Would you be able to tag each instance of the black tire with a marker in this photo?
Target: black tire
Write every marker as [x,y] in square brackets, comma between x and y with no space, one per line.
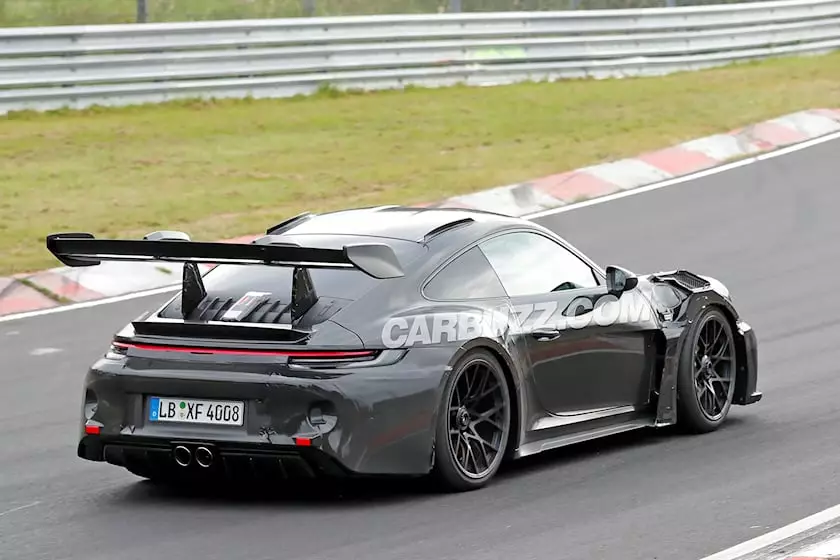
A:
[472,433]
[706,376]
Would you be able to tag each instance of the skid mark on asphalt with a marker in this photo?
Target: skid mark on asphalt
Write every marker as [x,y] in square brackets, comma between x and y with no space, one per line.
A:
[19,508]
[44,351]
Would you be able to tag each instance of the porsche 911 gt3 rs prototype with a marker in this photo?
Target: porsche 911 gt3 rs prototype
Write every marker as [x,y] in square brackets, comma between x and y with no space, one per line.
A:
[400,341]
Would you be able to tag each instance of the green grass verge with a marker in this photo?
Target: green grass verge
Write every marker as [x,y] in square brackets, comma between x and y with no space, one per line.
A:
[91,12]
[15,13]
[229,168]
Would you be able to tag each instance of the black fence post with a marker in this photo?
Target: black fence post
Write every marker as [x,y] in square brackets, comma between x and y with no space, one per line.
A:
[142,12]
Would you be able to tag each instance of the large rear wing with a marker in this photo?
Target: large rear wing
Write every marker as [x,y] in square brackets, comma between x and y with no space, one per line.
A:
[83,249]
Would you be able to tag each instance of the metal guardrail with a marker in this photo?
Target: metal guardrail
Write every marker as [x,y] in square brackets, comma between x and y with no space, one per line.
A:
[53,67]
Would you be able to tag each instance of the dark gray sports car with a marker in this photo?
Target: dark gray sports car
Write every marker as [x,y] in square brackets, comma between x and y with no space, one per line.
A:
[400,341]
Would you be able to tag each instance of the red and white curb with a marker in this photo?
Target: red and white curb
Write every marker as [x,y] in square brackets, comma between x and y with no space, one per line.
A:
[52,288]
[28,292]
[598,180]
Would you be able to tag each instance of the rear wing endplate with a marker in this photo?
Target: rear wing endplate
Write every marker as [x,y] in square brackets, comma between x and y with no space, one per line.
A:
[82,249]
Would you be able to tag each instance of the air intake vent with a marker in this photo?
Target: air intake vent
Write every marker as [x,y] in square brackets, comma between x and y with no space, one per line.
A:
[446,227]
[212,309]
[289,224]
[685,280]
[269,312]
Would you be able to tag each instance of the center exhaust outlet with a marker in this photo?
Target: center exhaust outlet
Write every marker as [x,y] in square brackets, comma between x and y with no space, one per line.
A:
[204,457]
[183,456]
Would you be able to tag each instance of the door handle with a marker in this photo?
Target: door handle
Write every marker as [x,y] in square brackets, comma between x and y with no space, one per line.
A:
[544,334]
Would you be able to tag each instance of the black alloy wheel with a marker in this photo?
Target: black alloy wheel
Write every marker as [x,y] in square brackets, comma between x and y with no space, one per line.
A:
[473,424]
[707,373]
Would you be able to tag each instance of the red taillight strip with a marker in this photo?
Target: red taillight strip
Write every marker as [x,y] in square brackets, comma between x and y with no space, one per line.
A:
[231,352]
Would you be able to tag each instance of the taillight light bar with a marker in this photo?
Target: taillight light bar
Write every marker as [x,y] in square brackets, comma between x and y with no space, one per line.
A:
[123,347]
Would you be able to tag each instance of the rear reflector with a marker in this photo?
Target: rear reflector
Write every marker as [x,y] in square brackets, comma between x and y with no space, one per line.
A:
[303,442]
[92,430]
[232,352]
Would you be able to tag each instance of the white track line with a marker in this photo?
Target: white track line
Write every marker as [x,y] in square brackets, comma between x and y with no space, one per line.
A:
[778,535]
[567,208]
[87,304]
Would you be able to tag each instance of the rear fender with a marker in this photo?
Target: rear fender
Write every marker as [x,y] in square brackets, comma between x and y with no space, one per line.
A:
[511,359]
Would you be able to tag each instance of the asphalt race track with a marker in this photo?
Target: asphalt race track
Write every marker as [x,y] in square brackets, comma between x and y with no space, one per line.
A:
[769,231]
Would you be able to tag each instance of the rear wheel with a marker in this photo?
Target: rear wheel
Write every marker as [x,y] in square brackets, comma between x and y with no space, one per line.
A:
[706,379]
[473,424]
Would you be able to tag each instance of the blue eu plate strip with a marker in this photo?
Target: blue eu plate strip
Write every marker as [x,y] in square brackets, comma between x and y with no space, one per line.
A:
[154,407]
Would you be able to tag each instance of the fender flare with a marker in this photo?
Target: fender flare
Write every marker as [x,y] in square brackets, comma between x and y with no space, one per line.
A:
[676,339]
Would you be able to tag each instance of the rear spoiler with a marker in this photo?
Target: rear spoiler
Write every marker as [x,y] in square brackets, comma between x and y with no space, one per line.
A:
[83,249]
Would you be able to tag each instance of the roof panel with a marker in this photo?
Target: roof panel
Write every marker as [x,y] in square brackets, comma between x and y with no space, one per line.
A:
[397,222]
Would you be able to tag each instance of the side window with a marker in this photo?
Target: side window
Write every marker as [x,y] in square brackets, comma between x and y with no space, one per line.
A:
[467,277]
[529,264]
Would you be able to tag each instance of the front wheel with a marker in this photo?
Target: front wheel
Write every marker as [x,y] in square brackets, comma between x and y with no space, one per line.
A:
[473,424]
[706,378]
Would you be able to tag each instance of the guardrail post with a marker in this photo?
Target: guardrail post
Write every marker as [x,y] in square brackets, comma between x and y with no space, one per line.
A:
[455,6]
[308,8]
[142,11]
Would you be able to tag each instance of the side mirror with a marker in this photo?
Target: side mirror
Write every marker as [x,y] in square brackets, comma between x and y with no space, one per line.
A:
[620,280]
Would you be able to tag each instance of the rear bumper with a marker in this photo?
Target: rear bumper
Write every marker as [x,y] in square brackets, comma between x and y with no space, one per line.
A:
[747,380]
[235,461]
[369,421]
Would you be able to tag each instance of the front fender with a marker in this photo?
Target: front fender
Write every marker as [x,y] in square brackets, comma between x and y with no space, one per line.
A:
[695,301]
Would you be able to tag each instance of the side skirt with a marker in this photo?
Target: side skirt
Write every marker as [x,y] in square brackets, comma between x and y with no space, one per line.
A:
[557,431]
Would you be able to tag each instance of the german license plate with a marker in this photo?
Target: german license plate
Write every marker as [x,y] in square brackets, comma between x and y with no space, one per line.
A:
[194,411]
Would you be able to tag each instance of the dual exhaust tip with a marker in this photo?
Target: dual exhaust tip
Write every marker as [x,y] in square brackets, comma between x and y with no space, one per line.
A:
[184,457]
